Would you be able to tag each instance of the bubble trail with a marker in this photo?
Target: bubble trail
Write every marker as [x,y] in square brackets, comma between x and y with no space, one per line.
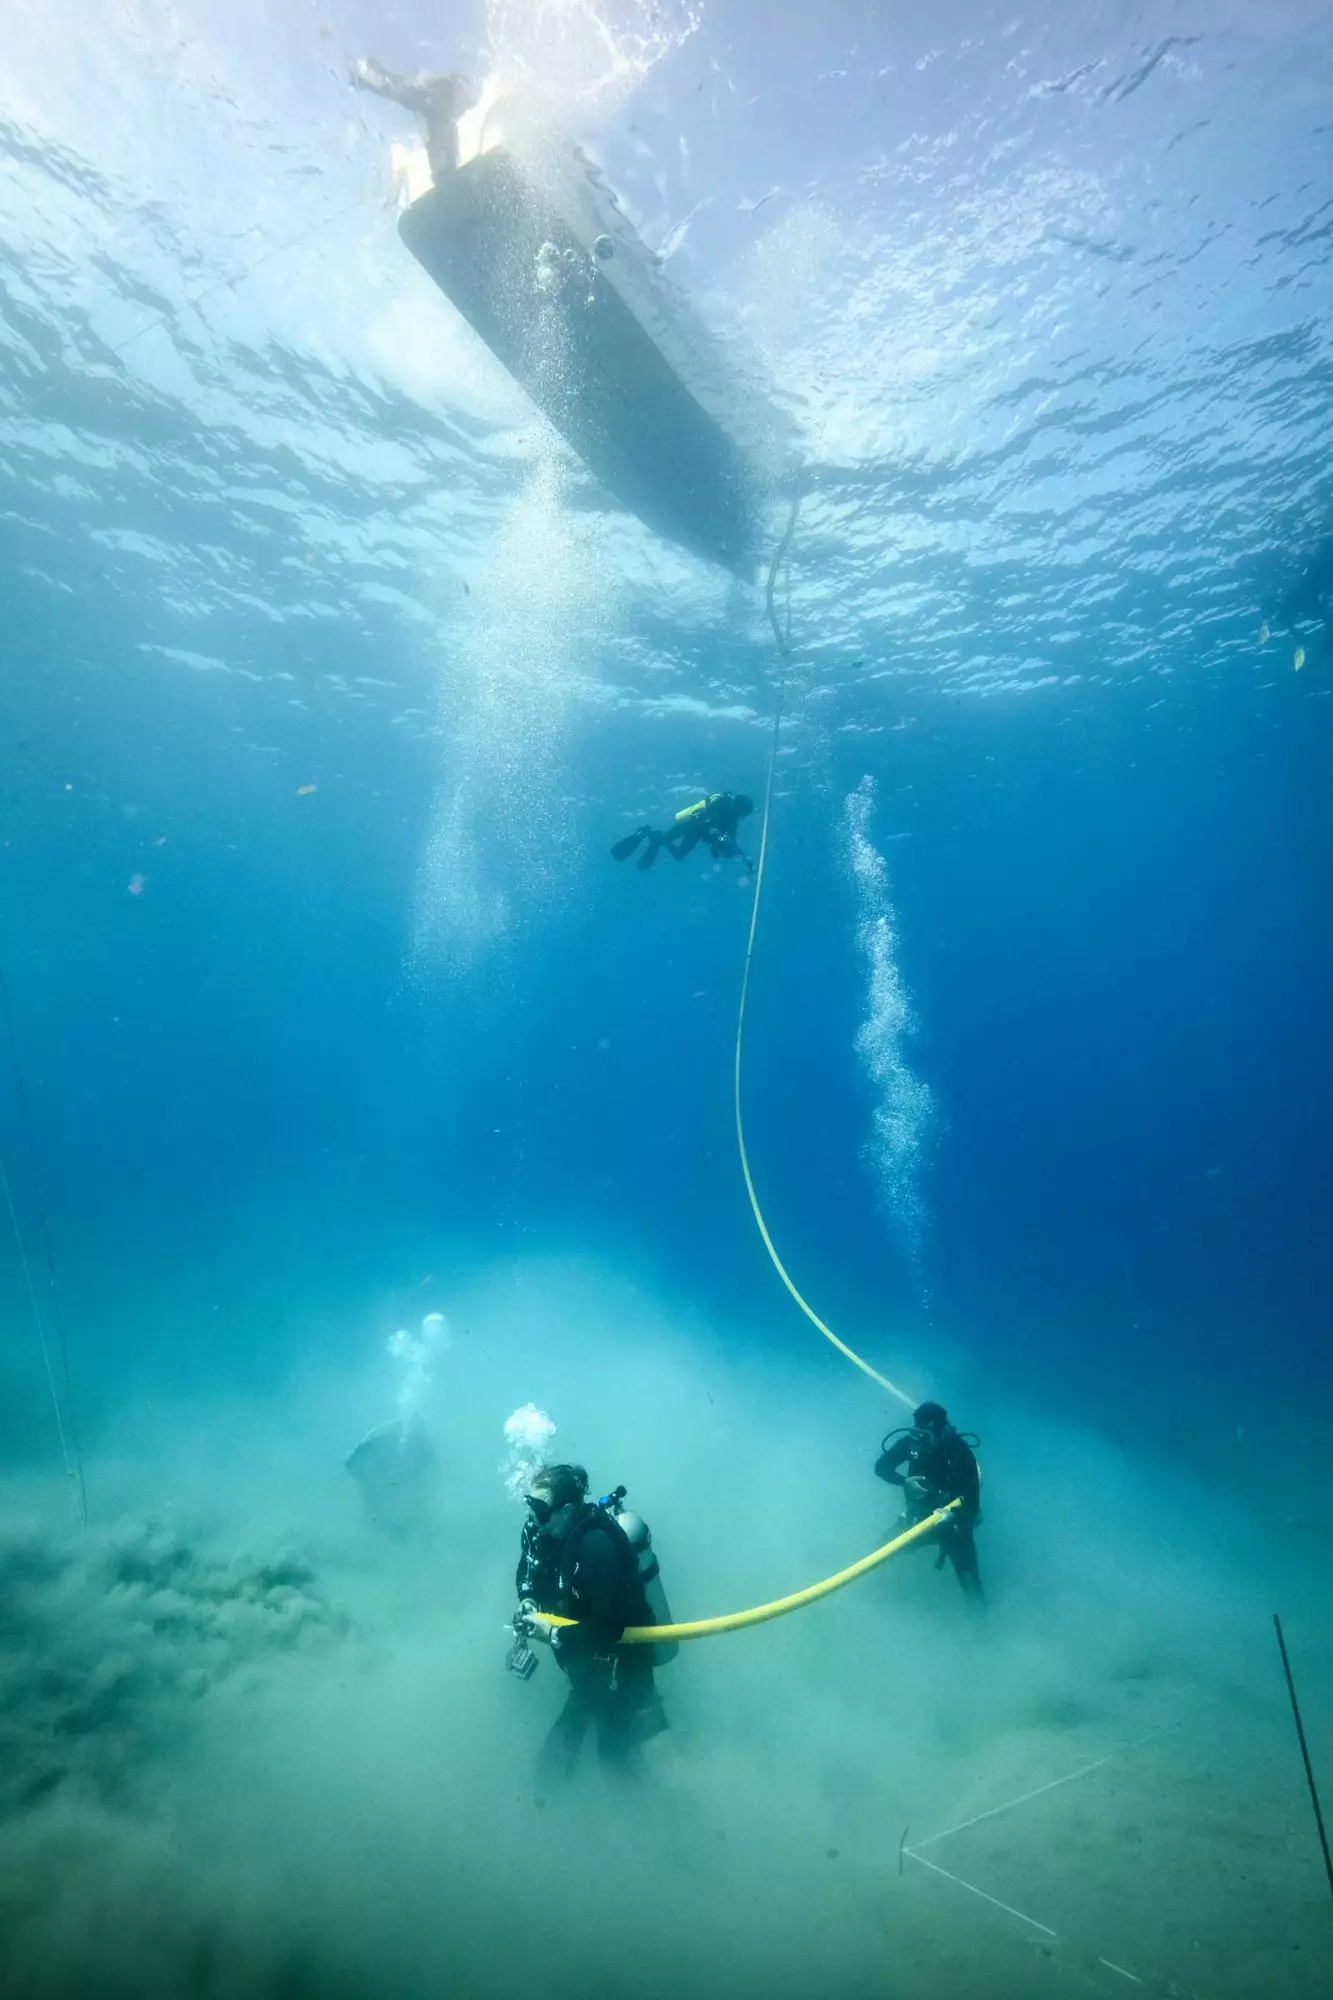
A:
[904,1117]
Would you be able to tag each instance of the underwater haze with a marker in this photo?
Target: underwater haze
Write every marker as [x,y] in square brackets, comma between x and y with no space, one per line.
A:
[346,1080]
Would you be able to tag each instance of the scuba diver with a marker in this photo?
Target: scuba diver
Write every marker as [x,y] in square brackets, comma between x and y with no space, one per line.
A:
[578,1561]
[396,1469]
[438,101]
[713,820]
[934,1463]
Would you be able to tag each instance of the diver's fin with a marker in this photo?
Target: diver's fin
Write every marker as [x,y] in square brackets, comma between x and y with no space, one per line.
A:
[649,855]
[624,848]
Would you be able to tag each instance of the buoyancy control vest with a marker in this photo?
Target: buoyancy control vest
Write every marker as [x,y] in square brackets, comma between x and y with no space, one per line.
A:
[630,1605]
[601,1603]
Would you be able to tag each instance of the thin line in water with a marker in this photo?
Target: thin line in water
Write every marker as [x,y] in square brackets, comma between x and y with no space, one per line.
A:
[1024,1798]
[972,1890]
[1111,1966]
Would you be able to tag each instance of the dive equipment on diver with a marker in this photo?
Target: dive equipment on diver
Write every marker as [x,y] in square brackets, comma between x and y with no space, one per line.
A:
[778,1607]
[639,1536]
[521,1659]
[970,1438]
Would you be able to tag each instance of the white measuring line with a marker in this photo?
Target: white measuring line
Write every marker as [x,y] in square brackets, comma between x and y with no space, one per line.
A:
[1010,1911]
[994,1901]
[1084,1770]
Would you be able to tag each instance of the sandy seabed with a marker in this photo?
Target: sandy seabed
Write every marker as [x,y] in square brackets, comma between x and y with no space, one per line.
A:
[257,1749]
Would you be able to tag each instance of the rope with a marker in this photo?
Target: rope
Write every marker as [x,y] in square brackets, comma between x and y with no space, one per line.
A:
[70,1451]
[759,1614]
[1151,1982]
[1305,1753]
[779,555]
[784,648]
[195,299]
[1040,1791]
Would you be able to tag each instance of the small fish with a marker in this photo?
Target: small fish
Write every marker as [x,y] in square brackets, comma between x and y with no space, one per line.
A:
[1263,635]
[1298,658]
[136,885]
[466,591]
[304,791]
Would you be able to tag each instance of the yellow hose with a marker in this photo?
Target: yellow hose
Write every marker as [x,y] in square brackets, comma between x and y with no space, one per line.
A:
[759,1614]
[778,1265]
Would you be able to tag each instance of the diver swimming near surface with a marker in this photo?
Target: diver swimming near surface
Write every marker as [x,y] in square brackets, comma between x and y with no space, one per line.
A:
[589,1561]
[711,821]
[934,1463]
[438,101]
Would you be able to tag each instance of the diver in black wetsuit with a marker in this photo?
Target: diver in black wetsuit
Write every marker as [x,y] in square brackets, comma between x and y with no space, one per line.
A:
[712,820]
[934,1465]
[438,101]
[576,1560]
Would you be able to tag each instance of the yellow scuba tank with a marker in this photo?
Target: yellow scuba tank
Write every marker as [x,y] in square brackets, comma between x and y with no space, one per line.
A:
[699,806]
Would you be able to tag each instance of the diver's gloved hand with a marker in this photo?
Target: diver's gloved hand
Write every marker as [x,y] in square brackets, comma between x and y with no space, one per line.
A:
[533,1627]
[916,1489]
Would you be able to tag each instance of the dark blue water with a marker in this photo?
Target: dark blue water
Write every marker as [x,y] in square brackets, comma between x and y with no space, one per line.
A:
[1109,922]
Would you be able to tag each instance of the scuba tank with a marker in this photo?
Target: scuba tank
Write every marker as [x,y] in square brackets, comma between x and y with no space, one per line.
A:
[637,1533]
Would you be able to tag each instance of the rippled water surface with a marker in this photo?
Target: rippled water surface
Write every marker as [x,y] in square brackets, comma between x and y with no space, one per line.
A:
[1047,293]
